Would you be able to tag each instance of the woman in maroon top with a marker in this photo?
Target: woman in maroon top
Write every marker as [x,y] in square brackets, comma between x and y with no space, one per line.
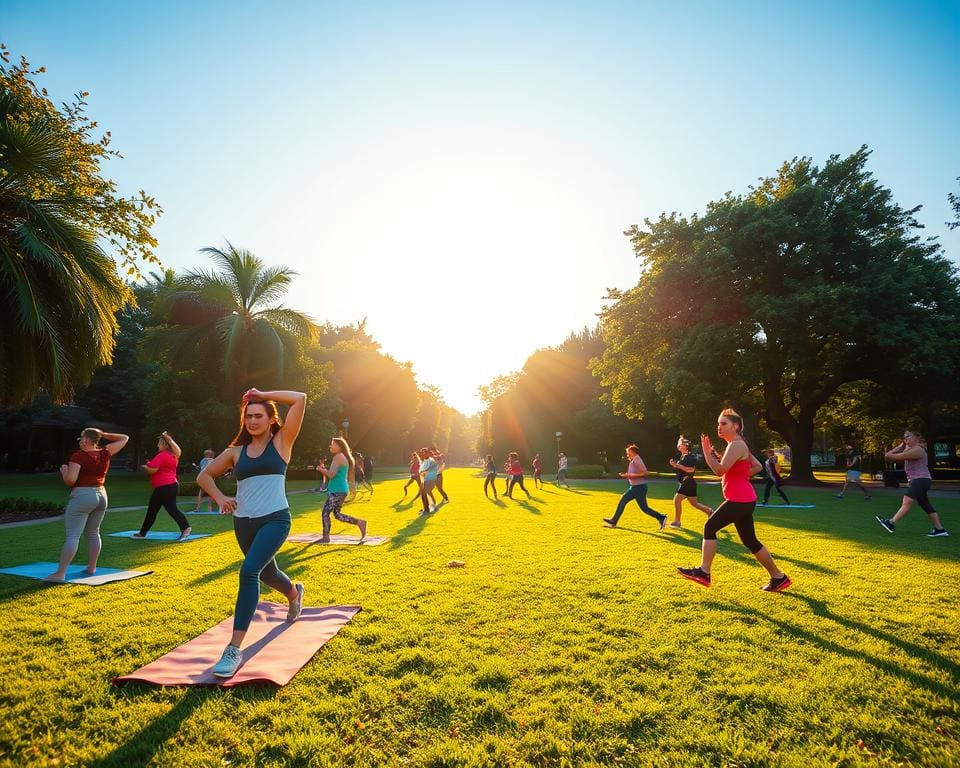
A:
[162,470]
[85,473]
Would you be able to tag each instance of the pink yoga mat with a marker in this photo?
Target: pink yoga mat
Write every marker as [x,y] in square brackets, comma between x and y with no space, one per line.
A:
[314,538]
[273,650]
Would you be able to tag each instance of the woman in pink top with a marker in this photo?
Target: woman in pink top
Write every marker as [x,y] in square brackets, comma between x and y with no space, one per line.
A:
[912,452]
[162,470]
[636,477]
[735,469]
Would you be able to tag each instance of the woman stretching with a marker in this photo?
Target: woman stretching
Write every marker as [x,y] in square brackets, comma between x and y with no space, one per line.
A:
[635,476]
[735,469]
[85,472]
[685,466]
[162,470]
[912,452]
[338,487]
[491,482]
[516,474]
[259,456]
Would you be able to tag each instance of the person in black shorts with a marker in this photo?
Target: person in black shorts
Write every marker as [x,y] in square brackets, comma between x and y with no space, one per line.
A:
[685,464]
[853,473]
[773,477]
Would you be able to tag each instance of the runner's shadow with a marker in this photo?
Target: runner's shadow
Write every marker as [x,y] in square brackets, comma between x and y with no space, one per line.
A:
[408,531]
[528,506]
[403,504]
[498,503]
[232,567]
[819,608]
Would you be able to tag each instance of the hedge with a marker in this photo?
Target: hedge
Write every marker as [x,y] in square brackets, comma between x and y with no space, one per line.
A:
[585,471]
[28,509]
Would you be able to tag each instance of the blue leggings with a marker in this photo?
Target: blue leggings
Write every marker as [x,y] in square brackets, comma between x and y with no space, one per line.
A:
[260,538]
[637,493]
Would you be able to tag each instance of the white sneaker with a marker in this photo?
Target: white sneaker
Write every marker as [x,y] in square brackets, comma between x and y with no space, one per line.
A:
[185,533]
[229,663]
[293,612]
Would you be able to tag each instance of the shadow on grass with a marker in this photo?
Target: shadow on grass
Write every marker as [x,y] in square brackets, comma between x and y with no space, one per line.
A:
[141,748]
[229,568]
[411,529]
[819,608]
[403,505]
[498,503]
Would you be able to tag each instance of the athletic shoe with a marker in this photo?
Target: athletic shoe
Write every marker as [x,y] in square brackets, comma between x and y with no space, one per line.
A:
[229,663]
[663,521]
[839,496]
[695,574]
[938,533]
[675,525]
[887,525]
[610,521]
[868,498]
[139,536]
[777,585]
[184,533]
[296,605]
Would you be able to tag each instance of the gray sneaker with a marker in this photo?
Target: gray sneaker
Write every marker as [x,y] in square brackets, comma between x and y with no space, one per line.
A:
[229,663]
[937,533]
[296,605]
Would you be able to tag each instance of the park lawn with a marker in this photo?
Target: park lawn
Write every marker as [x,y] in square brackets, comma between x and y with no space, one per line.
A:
[124,489]
[561,642]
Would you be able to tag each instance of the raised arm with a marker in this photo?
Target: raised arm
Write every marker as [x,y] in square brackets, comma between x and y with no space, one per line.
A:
[174,448]
[291,422]
[115,441]
[735,451]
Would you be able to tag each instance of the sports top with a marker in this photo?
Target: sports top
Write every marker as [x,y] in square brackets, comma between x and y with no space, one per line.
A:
[260,483]
[735,482]
[917,468]
[338,483]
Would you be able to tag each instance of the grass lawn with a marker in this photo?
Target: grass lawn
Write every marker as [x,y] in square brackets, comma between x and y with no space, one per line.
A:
[561,642]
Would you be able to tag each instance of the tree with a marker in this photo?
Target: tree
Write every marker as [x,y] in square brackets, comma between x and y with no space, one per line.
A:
[232,316]
[776,299]
[59,289]
[954,201]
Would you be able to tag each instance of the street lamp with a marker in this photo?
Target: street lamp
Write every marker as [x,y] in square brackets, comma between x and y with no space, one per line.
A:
[346,425]
[559,435]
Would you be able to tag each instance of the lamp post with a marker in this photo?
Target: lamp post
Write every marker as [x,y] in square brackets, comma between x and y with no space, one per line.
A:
[559,435]
[345,424]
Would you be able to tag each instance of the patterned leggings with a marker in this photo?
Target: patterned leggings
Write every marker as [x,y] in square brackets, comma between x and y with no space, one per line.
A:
[332,506]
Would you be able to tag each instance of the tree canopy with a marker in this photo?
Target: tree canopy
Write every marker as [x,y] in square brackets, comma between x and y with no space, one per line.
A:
[773,300]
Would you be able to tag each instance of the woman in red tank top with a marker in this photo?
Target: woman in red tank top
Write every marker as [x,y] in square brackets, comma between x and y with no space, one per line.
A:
[735,469]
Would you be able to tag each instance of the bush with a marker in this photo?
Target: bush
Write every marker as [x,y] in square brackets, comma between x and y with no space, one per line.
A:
[28,509]
[585,471]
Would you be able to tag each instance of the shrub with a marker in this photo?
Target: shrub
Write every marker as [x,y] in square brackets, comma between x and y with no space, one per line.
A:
[585,471]
[26,509]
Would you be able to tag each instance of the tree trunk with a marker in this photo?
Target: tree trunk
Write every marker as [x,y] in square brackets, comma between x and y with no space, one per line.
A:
[797,431]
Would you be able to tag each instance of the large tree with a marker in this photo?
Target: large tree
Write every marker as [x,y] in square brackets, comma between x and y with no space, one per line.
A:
[59,288]
[775,299]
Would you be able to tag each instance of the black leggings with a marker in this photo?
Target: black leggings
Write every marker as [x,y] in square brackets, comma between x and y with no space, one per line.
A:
[516,480]
[165,496]
[917,490]
[774,483]
[740,513]
[490,482]
[440,487]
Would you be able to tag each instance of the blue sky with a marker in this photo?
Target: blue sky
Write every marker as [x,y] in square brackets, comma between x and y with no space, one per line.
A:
[461,174]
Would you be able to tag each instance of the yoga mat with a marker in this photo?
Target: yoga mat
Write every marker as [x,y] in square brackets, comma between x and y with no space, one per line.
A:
[194,512]
[160,535]
[314,538]
[785,506]
[75,574]
[273,650]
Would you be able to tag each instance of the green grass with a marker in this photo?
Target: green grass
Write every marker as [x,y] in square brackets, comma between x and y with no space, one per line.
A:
[561,642]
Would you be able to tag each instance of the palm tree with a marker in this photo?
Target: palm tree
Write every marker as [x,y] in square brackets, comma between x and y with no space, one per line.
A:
[58,289]
[233,316]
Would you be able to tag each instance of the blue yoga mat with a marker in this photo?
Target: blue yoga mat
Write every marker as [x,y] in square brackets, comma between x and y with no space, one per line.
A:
[75,573]
[160,535]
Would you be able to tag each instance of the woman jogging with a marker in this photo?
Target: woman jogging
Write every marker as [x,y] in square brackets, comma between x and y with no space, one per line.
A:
[685,465]
[853,473]
[635,476]
[162,470]
[735,469]
[562,470]
[490,469]
[516,474]
[773,477]
[414,473]
[259,456]
[85,473]
[913,453]
[338,486]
